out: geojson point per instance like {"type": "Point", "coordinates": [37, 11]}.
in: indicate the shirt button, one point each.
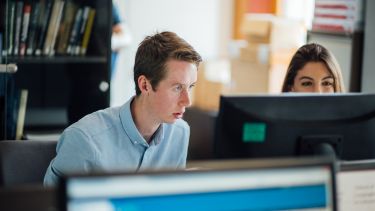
{"type": "Point", "coordinates": [136, 142]}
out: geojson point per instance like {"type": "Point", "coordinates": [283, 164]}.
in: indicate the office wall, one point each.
{"type": "Point", "coordinates": [368, 68]}
{"type": "Point", "coordinates": [205, 24]}
{"type": "Point", "coordinates": [341, 48]}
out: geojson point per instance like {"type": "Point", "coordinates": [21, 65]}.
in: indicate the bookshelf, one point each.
{"type": "Point", "coordinates": [62, 86]}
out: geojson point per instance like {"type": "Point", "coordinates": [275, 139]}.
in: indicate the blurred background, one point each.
{"type": "Point", "coordinates": [246, 44]}
{"type": "Point", "coordinates": [246, 47]}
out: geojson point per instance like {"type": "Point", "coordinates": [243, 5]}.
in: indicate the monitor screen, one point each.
{"type": "Point", "coordinates": [268, 185]}
{"type": "Point", "coordinates": [356, 185]}
{"type": "Point", "coordinates": [256, 126]}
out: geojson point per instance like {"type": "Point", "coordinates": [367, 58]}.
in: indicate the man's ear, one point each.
{"type": "Point", "coordinates": [144, 84]}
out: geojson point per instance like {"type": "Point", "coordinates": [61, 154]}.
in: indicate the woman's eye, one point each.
{"type": "Point", "coordinates": [327, 83]}
{"type": "Point", "coordinates": [306, 83]}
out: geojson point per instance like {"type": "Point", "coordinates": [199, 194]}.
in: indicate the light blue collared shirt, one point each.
{"type": "Point", "coordinates": [108, 140]}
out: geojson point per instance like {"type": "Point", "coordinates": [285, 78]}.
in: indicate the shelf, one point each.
{"type": "Point", "coordinates": [57, 60]}
{"type": "Point", "coordinates": [339, 34]}
{"type": "Point", "coordinates": [61, 88]}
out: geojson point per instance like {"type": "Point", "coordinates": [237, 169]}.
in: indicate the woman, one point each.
{"type": "Point", "coordinates": [313, 69]}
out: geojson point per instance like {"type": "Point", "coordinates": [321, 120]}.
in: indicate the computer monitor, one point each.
{"type": "Point", "coordinates": [255, 126]}
{"type": "Point", "coordinates": [356, 185]}
{"type": "Point", "coordinates": [228, 185]}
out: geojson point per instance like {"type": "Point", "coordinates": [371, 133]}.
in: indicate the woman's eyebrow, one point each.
{"type": "Point", "coordinates": [305, 77]}
{"type": "Point", "coordinates": [328, 77]}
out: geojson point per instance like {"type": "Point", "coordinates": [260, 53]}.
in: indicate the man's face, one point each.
{"type": "Point", "coordinates": [172, 95]}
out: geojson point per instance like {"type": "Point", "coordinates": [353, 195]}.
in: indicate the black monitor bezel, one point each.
{"type": "Point", "coordinates": [364, 110]}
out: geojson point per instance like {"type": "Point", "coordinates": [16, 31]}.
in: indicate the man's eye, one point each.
{"type": "Point", "coordinates": [191, 87]}
{"type": "Point", "coordinates": [306, 83]}
{"type": "Point", "coordinates": [177, 88]}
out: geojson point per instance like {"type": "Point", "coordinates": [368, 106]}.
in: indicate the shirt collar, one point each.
{"type": "Point", "coordinates": [132, 131]}
{"type": "Point", "coordinates": [159, 135]}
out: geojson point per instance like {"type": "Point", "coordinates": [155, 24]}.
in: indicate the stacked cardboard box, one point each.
{"type": "Point", "coordinates": [272, 41]}
{"type": "Point", "coordinates": [213, 80]}
{"type": "Point", "coordinates": [260, 67]}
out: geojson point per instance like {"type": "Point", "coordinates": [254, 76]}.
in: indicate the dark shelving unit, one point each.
{"type": "Point", "coordinates": [62, 89]}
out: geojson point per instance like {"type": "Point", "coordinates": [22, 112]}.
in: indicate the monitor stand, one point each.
{"type": "Point", "coordinates": [325, 145]}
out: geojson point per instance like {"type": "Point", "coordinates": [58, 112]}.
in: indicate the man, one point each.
{"type": "Point", "coordinates": [147, 132]}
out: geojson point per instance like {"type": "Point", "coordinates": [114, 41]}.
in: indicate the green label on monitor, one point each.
{"type": "Point", "coordinates": [254, 132]}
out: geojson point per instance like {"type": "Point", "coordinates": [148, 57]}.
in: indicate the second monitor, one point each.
{"type": "Point", "coordinates": [256, 126]}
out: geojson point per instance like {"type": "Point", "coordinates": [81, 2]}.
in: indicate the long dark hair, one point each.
{"type": "Point", "coordinates": [313, 53]}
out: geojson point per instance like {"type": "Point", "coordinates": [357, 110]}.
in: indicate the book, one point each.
{"type": "Point", "coordinates": [13, 110]}
{"type": "Point", "coordinates": [87, 34]}
{"type": "Point", "coordinates": [43, 25]}
{"type": "Point", "coordinates": [21, 114]}
{"type": "Point", "coordinates": [78, 41]}
{"type": "Point", "coordinates": [74, 32]}
{"type": "Point", "coordinates": [31, 40]}
{"type": "Point", "coordinates": [25, 28]}
{"type": "Point", "coordinates": [11, 107]}
{"type": "Point", "coordinates": [66, 26]}
{"type": "Point", "coordinates": [1, 47]}
{"type": "Point", "coordinates": [55, 29]}
{"type": "Point", "coordinates": [17, 32]}
{"type": "Point", "coordinates": [2, 114]}
{"type": "Point", "coordinates": [51, 27]}
{"type": "Point", "coordinates": [10, 24]}
{"type": "Point", "coordinates": [3, 31]}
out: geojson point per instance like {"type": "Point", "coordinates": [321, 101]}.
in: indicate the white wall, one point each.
{"type": "Point", "coordinates": [205, 24]}
{"type": "Point", "coordinates": [368, 73]}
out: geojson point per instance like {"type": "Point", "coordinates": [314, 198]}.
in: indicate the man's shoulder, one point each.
{"type": "Point", "coordinates": [99, 121]}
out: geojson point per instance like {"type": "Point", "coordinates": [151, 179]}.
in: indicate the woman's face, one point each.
{"type": "Point", "coordinates": [314, 77]}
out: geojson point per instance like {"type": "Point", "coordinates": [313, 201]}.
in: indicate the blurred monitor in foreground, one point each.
{"type": "Point", "coordinates": [227, 185]}
{"type": "Point", "coordinates": [254, 126]}
{"type": "Point", "coordinates": [356, 185]}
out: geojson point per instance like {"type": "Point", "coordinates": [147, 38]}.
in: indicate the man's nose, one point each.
{"type": "Point", "coordinates": [185, 98]}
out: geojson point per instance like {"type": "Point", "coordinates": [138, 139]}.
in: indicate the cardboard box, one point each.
{"type": "Point", "coordinates": [257, 29]}
{"type": "Point", "coordinates": [278, 32]}
{"type": "Point", "coordinates": [213, 80]}
{"type": "Point", "coordinates": [207, 95]}
{"type": "Point", "coordinates": [256, 54]}
{"type": "Point", "coordinates": [248, 77]}
{"type": "Point", "coordinates": [244, 77]}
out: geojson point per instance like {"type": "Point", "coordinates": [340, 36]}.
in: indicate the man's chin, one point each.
{"type": "Point", "coordinates": [170, 121]}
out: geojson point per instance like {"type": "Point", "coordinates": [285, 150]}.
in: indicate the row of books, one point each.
{"type": "Point", "coordinates": [48, 27]}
